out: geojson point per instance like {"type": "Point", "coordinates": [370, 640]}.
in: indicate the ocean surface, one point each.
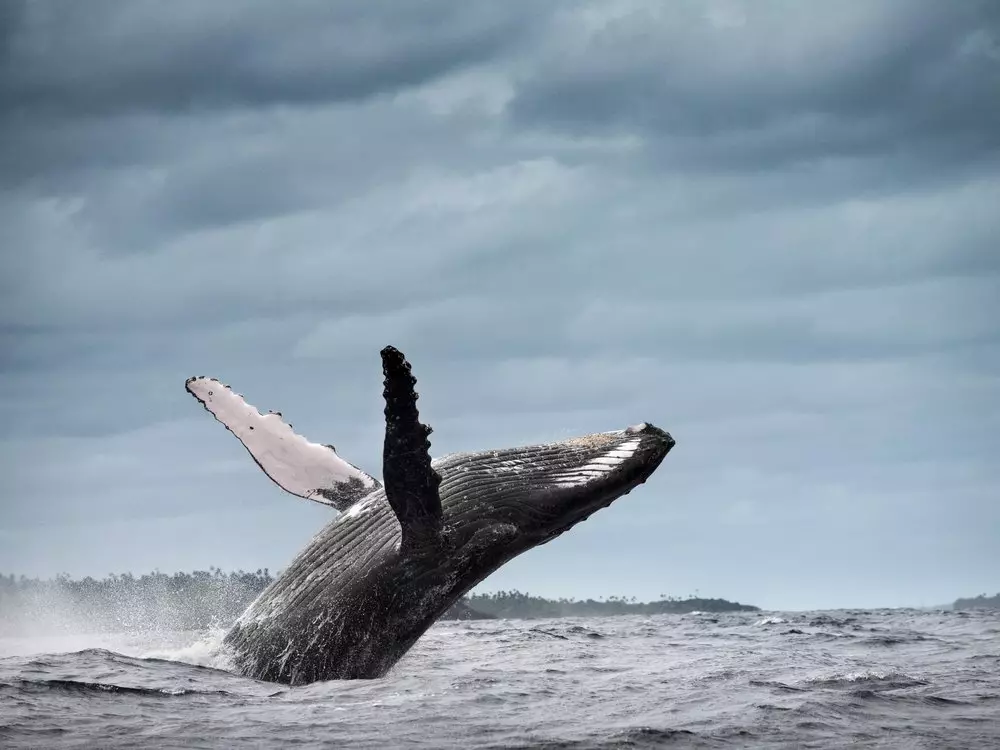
{"type": "Point", "coordinates": [886, 679]}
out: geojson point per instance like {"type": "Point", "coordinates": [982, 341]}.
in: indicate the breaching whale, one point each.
{"type": "Point", "coordinates": [400, 553]}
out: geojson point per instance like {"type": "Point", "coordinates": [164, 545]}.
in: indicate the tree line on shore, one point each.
{"type": "Point", "coordinates": [978, 602]}
{"type": "Point", "coordinates": [213, 598]}
{"type": "Point", "coordinates": [515, 604]}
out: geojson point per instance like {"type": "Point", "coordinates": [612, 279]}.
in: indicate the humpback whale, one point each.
{"type": "Point", "coordinates": [402, 551]}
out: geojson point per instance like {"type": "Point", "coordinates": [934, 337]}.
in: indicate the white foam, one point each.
{"type": "Point", "coordinates": [295, 464]}
{"type": "Point", "coordinates": [206, 651]}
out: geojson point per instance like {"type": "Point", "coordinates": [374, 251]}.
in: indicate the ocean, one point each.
{"type": "Point", "coordinates": [859, 679]}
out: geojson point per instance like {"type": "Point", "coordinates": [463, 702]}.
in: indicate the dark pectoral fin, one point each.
{"type": "Point", "coordinates": [411, 485]}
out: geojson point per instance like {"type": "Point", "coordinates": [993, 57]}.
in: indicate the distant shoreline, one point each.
{"type": "Point", "coordinates": [978, 602]}
{"type": "Point", "coordinates": [213, 598]}
{"type": "Point", "coordinates": [517, 605]}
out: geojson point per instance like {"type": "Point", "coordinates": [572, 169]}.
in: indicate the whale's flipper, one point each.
{"type": "Point", "coordinates": [411, 485]}
{"type": "Point", "coordinates": [306, 469]}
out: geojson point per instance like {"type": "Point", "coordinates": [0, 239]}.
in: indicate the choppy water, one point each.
{"type": "Point", "coordinates": [836, 679]}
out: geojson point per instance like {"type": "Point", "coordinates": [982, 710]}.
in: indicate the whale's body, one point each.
{"type": "Point", "coordinates": [374, 579]}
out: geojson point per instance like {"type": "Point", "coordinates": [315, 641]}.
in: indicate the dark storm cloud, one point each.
{"type": "Point", "coordinates": [780, 83]}
{"type": "Point", "coordinates": [88, 85]}
{"type": "Point", "coordinates": [104, 58]}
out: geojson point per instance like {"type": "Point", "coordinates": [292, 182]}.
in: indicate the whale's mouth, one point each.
{"type": "Point", "coordinates": [546, 489]}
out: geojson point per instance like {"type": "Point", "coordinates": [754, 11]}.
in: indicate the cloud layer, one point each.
{"type": "Point", "coordinates": [768, 227]}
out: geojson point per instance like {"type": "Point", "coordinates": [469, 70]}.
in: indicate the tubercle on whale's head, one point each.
{"type": "Point", "coordinates": [544, 490]}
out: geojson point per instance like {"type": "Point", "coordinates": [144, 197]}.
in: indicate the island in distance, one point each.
{"type": "Point", "coordinates": [215, 598]}
{"type": "Point", "coordinates": [516, 605]}
{"type": "Point", "coordinates": [978, 602]}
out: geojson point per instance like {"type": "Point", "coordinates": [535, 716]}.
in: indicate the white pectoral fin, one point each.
{"type": "Point", "coordinates": [303, 468]}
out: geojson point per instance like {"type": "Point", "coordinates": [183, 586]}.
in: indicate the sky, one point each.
{"type": "Point", "coordinates": [770, 228]}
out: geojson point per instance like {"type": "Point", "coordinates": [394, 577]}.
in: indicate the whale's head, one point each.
{"type": "Point", "coordinates": [500, 503]}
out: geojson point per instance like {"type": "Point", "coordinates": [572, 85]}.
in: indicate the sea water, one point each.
{"type": "Point", "coordinates": [886, 679]}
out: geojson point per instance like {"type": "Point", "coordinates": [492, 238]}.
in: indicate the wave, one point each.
{"type": "Point", "coordinates": [889, 680]}
{"type": "Point", "coordinates": [549, 633]}
{"type": "Point", "coordinates": [829, 621]}
{"type": "Point", "coordinates": [937, 701]}
{"type": "Point", "coordinates": [637, 737]}
{"type": "Point", "coordinates": [206, 651]}
{"type": "Point", "coordinates": [775, 685]}
{"type": "Point", "coordinates": [103, 688]}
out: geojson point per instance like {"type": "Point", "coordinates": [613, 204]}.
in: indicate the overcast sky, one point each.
{"type": "Point", "coordinates": [770, 228]}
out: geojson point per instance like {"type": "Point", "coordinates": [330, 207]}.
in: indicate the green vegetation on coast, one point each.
{"type": "Point", "coordinates": [514, 604]}
{"type": "Point", "coordinates": [978, 602]}
{"type": "Point", "coordinates": [212, 598]}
